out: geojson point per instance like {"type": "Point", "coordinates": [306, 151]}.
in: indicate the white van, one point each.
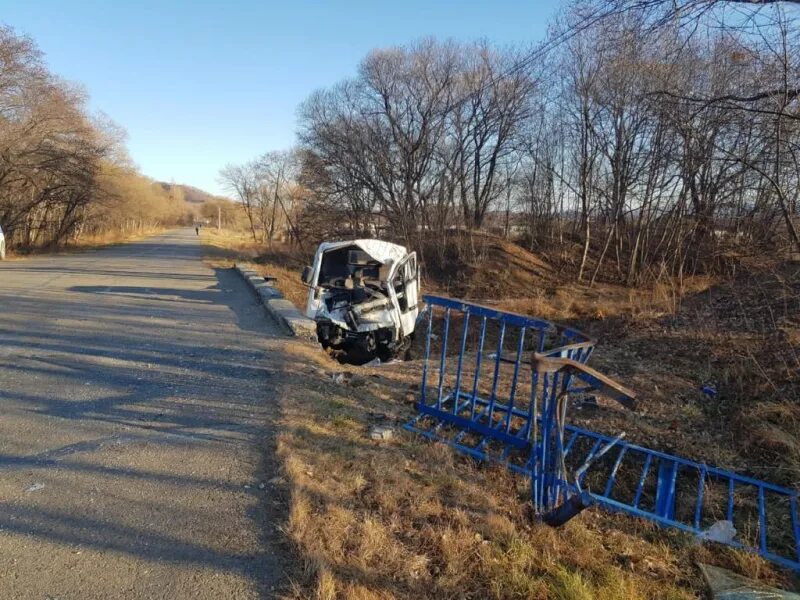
{"type": "Point", "coordinates": [364, 296]}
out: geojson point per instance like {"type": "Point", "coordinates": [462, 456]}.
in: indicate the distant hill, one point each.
{"type": "Point", "coordinates": [191, 194]}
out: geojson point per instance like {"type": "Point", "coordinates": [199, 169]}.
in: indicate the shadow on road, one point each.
{"type": "Point", "coordinates": [143, 370]}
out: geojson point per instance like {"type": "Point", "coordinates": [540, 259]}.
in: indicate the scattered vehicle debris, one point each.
{"type": "Point", "coordinates": [381, 432]}
{"type": "Point", "coordinates": [727, 585]}
{"type": "Point", "coordinates": [338, 377]}
{"type": "Point", "coordinates": [722, 532]}
{"type": "Point", "coordinates": [363, 295]}
{"type": "Point", "coordinates": [709, 390]}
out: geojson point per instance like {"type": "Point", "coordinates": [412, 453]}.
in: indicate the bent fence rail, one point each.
{"type": "Point", "coordinates": [495, 386]}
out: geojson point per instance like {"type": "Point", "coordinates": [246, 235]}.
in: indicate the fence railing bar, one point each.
{"type": "Point", "coordinates": [443, 361]}
{"type": "Point", "coordinates": [640, 488]}
{"type": "Point", "coordinates": [729, 513]}
{"type": "Point", "coordinates": [701, 486]}
{"type": "Point", "coordinates": [613, 476]}
{"type": "Point", "coordinates": [571, 441]}
{"type": "Point", "coordinates": [423, 395]}
{"type": "Point", "coordinates": [532, 406]}
{"type": "Point", "coordinates": [495, 379]}
{"type": "Point", "coordinates": [478, 365]}
{"type": "Point", "coordinates": [512, 393]}
{"type": "Point", "coordinates": [460, 362]}
{"type": "Point", "coordinates": [685, 462]}
{"type": "Point", "coordinates": [589, 457]}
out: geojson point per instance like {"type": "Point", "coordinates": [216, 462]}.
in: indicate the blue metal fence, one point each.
{"type": "Point", "coordinates": [495, 386]}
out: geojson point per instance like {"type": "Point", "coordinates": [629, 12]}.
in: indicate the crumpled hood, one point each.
{"type": "Point", "coordinates": [383, 252]}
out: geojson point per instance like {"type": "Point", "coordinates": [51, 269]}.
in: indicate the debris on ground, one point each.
{"type": "Point", "coordinates": [381, 432]}
{"type": "Point", "coordinates": [722, 532]}
{"type": "Point", "coordinates": [725, 585]}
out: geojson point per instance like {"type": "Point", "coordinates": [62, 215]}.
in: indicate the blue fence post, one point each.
{"type": "Point", "coordinates": [443, 359]}
{"type": "Point", "coordinates": [459, 366]}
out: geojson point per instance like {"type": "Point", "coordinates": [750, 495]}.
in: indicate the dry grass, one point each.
{"type": "Point", "coordinates": [281, 263]}
{"type": "Point", "coordinates": [91, 242]}
{"type": "Point", "coordinates": [114, 237]}
{"type": "Point", "coordinates": [410, 519]}
{"type": "Point", "coordinates": [406, 518]}
{"type": "Point", "coordinates": [229, 245]}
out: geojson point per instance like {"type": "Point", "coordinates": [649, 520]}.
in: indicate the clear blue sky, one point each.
{"type": "Point", "coordinates": [198, 84]}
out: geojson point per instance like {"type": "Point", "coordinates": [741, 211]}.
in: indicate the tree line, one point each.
{"type": "Point", "coordinates": [63, 172]}
{"type": "Point", "coordinates": [640, 139]}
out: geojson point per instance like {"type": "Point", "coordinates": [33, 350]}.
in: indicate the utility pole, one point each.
{"type": "Point", "coordinates": [219, 218]}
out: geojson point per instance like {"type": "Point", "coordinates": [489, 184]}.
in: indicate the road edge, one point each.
{"type": "Point", "coordinates": [279, 308]}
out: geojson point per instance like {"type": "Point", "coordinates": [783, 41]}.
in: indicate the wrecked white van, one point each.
{"type": "Point", "coordinates": [364, 297]}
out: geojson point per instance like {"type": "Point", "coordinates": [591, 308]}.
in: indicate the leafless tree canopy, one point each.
{"type": "Point", "coordinates": [642, 138]}
{"type": "Point", "coordinates": [267, 189]}
{"type": "Point", "coordinates": [63, 173]}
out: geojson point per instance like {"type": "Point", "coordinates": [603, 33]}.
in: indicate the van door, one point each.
{"type": "Point", "coordinates": [405, 285]}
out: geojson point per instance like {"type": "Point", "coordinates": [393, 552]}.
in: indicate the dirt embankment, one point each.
{"type": "Point", "coordinates": [405, 518]}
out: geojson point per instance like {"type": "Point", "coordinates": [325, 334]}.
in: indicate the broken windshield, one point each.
{"type": "Point", "coordinates": [349, 267]}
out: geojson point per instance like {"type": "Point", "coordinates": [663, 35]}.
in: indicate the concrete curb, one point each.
{"type": "Point", "coordinates": [279, 308]}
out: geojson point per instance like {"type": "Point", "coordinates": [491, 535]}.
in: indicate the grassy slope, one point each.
{"type": "Point", "coordinates": [407, 518]}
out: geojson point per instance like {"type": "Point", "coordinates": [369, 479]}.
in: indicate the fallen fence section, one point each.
{"type": "Point", "coordinates": [496, 385]}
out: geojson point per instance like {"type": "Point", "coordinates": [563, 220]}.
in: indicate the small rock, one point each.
{"type": "Point", "coordinates": [35, 487]}
{"type": "Point", "coordinates": [726, 584]}
{"type": "Point", "coordinates": [262, 486]}
{"type": "Point", "coordinates": [381, 432]}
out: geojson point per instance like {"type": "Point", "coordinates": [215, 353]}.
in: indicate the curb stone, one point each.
{"type": "Point", "coordinates": [280, 309]}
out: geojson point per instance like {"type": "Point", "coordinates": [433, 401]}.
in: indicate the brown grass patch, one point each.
{"type": "Point", "coordinates": [406, 518]}
{"type": "Point", "coordinates": [89, 242]}
{"type": "Point", "coordinates": [281, 262]}
{"type": "Point", "coordinates": [410, 519]}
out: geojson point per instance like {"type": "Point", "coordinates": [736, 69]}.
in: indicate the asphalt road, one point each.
{"type": "Point", "coordinates": [135, 428]}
